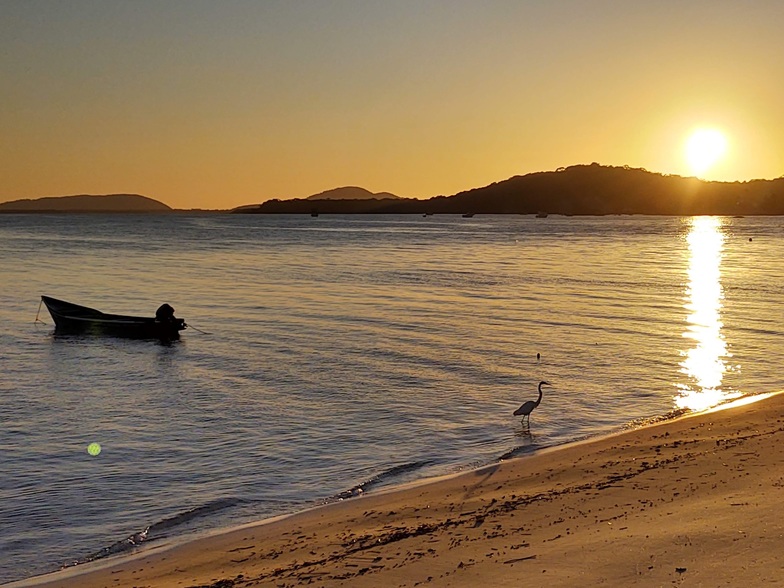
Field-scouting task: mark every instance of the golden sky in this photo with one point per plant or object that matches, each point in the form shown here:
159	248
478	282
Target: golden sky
204	104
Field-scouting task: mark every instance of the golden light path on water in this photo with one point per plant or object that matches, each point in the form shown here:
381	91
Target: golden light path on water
704	362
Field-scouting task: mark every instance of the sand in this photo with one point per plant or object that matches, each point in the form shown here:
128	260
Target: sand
691	502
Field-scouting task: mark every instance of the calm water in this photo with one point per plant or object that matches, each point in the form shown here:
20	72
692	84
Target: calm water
340	353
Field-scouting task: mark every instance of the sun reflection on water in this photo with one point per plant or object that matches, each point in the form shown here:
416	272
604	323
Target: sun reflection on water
704	363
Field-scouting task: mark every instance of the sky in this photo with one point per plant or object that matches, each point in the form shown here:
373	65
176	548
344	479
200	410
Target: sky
217	104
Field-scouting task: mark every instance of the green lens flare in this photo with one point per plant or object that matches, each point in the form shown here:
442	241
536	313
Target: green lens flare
94	449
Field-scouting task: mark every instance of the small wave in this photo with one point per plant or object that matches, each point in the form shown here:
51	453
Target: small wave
136	539
382	478
530	448
193	513
519	451
668	416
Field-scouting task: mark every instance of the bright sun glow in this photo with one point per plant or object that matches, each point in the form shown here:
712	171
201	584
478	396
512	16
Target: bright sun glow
704	147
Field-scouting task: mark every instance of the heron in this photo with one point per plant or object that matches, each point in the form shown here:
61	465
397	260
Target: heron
528	407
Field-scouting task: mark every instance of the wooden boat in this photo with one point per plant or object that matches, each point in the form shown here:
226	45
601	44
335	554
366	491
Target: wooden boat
74	319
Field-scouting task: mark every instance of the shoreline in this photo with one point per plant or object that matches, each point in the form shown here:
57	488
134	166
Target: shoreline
128	550
616	510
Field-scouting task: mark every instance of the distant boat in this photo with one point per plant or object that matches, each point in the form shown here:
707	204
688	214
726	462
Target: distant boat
74	319
468	215
314	213
541	215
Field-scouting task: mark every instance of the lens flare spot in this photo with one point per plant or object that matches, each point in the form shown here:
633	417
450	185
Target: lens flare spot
94	449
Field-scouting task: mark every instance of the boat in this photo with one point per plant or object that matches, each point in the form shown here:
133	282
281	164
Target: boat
468	215
541	215
72	318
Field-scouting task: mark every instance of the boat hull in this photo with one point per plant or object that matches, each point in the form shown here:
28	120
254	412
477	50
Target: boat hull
74	319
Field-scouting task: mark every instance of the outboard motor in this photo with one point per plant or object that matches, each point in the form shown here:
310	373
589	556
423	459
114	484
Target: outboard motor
165	314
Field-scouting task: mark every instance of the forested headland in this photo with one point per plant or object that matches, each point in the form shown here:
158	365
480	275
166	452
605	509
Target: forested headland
577	190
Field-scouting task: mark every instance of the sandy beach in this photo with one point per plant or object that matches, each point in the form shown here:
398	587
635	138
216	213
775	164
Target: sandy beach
691	502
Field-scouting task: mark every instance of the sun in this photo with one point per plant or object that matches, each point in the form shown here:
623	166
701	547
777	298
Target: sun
704	148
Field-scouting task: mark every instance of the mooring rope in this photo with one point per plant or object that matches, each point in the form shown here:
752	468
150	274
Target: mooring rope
37	320
190	326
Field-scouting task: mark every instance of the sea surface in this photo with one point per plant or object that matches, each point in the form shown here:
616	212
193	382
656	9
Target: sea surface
332	356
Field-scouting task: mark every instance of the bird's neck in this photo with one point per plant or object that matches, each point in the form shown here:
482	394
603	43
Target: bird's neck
538	400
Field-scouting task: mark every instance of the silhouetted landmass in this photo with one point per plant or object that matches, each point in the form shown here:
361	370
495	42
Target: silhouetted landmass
352	193
87	203
315	207
577	190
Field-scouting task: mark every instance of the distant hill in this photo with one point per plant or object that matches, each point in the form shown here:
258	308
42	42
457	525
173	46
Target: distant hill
351	193
348	197
581	189
87	203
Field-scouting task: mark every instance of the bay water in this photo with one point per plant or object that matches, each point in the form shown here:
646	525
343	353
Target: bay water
331	356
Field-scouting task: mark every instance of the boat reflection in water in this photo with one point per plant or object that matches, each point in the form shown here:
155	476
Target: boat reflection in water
704	362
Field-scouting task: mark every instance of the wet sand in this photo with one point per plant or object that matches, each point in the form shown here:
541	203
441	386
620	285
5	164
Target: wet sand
692	502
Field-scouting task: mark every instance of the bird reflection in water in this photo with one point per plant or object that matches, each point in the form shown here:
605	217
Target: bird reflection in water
704	362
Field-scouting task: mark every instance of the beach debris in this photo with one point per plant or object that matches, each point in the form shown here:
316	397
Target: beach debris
519	559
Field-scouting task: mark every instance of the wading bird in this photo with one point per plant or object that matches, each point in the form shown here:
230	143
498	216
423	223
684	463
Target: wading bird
528	407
